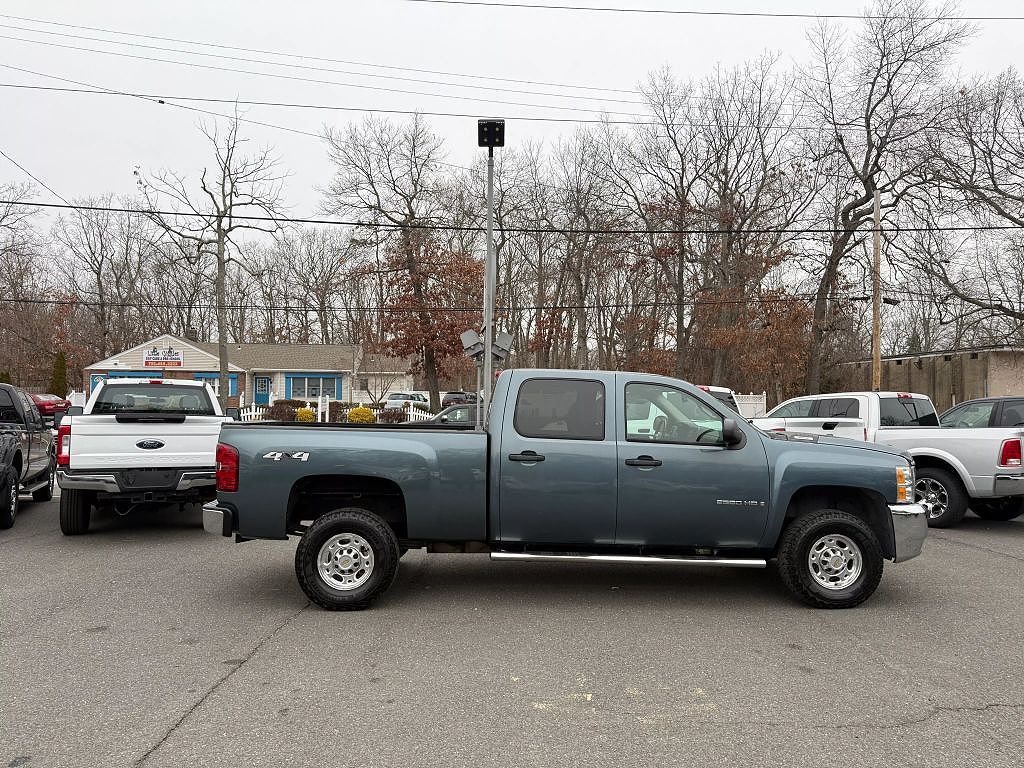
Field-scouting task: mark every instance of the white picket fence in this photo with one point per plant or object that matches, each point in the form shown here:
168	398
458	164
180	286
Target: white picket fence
253	412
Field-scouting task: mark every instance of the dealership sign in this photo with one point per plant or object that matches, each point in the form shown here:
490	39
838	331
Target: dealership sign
163	358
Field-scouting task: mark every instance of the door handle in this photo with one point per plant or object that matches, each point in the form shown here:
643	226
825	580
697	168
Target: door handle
525	456
830	425
643	461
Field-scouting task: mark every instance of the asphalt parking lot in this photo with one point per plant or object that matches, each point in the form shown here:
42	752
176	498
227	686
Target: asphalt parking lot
149	642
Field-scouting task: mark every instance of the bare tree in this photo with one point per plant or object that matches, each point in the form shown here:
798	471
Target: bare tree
241	193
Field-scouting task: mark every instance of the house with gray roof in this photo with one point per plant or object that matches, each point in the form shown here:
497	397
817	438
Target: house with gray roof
262	373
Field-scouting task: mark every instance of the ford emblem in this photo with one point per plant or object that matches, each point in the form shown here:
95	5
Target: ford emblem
150	445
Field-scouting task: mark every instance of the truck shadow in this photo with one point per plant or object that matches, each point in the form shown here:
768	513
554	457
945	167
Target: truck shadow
163	518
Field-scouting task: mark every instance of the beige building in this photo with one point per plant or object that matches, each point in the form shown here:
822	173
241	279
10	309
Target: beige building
261	373
946	377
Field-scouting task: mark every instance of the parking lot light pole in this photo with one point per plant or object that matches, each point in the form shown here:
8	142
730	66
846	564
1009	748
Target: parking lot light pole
490	134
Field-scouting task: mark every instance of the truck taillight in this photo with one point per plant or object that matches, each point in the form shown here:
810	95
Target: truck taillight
64	445
227	468
1009	454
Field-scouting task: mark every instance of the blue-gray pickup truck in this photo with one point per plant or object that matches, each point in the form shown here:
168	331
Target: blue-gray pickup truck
576	466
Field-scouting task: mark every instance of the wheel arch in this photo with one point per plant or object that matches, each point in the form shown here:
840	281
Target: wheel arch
313	496
928	457
868	505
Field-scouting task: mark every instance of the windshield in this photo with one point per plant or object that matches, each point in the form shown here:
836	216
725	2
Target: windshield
153	398
907	412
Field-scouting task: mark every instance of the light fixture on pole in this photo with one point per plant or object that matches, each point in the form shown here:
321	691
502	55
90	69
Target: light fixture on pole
490	134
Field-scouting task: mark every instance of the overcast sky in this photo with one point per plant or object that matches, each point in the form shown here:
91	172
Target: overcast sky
83	145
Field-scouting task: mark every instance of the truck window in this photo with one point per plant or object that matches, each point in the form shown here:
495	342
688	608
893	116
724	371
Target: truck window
660	414
839	408
968	415
153	398
798	409
1013	414
567	409
906	412
8	413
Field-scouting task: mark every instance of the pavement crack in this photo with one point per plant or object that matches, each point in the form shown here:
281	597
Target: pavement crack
219	682
962	543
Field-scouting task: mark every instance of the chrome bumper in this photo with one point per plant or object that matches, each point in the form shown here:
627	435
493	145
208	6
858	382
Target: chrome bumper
217	519
108	482
909	529
1008	485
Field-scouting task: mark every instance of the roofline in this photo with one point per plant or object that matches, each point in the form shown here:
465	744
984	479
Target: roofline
963	351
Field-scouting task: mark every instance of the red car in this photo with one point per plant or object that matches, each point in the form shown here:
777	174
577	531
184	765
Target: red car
50	405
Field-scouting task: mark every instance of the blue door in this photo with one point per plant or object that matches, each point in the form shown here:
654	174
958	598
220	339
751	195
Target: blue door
262	386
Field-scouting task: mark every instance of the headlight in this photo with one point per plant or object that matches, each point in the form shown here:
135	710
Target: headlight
905	484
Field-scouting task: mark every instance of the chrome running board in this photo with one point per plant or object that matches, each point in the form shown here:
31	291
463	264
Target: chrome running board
729	562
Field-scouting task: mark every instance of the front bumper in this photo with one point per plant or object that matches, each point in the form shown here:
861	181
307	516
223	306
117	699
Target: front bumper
1008	485
909	529
123	483
217	519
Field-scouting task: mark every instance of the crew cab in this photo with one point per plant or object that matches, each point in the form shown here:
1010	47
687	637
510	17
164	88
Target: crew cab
137	443
959	464
572	466
26	453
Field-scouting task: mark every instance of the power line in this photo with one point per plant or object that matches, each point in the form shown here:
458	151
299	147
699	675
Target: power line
890	229
35	178
318	68
308	57
316	81
680	12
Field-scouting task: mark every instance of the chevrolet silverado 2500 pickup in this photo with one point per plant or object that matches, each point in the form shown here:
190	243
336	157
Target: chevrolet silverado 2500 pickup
959	464
573	465
138	443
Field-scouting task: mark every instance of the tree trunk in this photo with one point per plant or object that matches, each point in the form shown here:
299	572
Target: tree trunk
222	318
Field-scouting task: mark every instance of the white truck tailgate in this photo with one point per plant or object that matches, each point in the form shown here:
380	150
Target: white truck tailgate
103	442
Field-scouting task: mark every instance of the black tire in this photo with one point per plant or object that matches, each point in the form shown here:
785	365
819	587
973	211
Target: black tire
75	511
371	529
795	569
9	498
1001	510
941	486
46	493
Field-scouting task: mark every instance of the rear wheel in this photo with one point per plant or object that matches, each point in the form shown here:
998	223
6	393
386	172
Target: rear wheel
8	498
942	494
1004	509
75	511
346	559
46	493
830	559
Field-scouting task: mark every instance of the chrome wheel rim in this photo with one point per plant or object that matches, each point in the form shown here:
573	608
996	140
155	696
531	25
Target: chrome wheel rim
345	561
835	561
933	495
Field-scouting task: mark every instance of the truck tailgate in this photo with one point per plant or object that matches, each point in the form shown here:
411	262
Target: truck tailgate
103	442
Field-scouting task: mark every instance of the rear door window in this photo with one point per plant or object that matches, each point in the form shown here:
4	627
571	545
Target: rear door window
969	415
153	398
1012	414
568	409
798	409
907	412
839	408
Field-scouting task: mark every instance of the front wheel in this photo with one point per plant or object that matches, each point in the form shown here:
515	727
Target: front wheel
1001	510
346	559
8	497
830	559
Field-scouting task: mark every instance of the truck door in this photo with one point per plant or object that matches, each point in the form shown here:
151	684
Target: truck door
556	463
678	483
38	458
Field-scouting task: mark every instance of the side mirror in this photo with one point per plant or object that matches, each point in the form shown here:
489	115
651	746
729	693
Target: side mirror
731	433
75	410
443	419
235	414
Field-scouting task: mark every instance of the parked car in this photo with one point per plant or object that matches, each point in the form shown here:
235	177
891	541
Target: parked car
26	453
457	398
50	405
722	395
401	399
957	466
985	412
138	443
565	473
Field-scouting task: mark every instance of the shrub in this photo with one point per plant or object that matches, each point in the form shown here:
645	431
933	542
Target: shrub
307	415
391	416
422	407
361	416
280	411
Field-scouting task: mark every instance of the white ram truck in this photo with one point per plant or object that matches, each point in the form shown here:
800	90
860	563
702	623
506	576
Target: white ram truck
957	467
137	443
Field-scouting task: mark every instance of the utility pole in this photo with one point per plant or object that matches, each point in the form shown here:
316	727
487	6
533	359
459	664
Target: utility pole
876	301
490	134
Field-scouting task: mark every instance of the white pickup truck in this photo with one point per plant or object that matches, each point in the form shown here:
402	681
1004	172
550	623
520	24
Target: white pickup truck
137	443
957	466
